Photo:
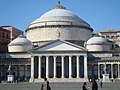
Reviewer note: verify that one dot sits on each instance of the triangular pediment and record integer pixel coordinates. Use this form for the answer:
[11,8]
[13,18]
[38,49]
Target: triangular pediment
[60,46]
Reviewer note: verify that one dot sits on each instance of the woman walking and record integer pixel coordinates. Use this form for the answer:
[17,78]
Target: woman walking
[94,85]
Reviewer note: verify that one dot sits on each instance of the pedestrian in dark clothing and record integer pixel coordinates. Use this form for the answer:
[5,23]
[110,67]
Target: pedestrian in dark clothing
[94,85]
[84,86]
[101,84]
[45,85]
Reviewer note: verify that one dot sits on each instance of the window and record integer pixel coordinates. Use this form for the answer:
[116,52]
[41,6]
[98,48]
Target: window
[7,35]
[3,41]
[3,35]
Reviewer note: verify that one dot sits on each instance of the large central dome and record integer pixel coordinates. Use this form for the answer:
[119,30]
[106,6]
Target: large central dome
[60,14]
[59,23]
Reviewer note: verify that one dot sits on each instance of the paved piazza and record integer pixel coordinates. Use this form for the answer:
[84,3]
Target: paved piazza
[58,86]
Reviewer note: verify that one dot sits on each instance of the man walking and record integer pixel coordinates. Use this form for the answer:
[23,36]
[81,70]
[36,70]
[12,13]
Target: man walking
[45,85]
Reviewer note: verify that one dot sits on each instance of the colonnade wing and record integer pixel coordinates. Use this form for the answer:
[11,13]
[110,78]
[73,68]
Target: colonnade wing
[60,46]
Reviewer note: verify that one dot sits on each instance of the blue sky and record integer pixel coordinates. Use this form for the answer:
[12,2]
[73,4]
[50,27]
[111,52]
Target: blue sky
[100,14]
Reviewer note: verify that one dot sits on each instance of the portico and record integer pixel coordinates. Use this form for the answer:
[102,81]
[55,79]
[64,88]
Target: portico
[59,63]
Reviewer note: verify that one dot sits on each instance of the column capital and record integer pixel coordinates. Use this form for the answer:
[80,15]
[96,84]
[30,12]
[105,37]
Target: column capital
[47,56]
[63,56]
[54,56]
[39,56]
[70,55]
[32,56]
[85,55]
[77,55]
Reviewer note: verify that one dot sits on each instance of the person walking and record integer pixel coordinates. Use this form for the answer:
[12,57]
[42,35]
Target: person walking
[101,84]
[45,85]
[94,85]
[84,86]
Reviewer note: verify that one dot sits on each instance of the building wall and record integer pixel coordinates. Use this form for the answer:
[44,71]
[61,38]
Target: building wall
[112,35]
[101,54]
[4,39]
[14,31]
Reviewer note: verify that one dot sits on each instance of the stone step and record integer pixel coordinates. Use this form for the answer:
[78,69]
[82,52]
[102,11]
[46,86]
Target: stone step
[62,80]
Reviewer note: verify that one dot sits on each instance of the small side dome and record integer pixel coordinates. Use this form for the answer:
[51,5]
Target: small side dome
[97,44]
[97,40]
[20,44]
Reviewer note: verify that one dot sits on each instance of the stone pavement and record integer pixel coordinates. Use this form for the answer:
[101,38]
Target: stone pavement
[57,86]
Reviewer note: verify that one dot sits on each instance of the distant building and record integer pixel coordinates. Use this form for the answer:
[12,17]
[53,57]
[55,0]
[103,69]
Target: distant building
[4,39]
[112,35]
[14,31]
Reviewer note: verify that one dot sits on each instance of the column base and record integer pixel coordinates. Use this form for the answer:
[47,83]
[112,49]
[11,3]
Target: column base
[39,77]
[70,76]
[106,78]
[78,77]
[31,80]
[86,79]
[55,77]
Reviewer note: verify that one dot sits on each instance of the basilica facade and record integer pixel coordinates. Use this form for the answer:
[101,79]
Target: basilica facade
[59,46]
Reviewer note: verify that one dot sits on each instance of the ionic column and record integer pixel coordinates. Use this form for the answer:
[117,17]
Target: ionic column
[111,71]
[62,66]
[78,67]
[70,67]
[54,66]
[32,69]
[47,67]
[98,71]
[39,67]
[118,71]
[85,67]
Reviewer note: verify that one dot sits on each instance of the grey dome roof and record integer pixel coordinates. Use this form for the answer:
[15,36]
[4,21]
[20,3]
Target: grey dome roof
[59,13]
[97,40]
[20,40]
